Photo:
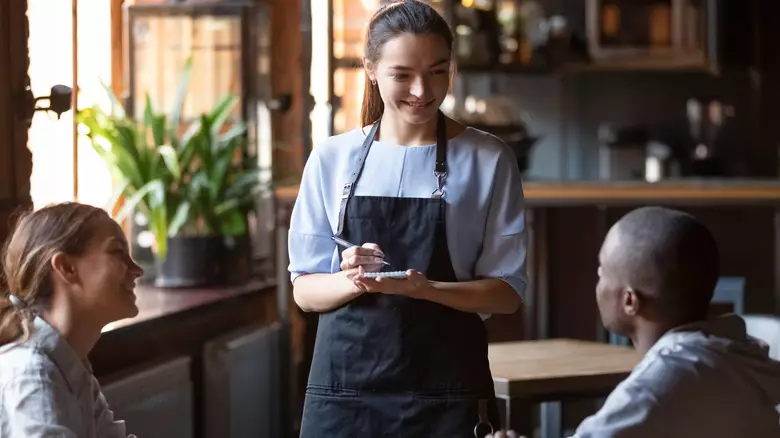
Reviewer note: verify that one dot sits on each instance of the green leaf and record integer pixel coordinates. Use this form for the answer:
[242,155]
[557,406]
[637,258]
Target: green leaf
[171,158]
[221,112]
[156,193]
[235,133]
[117,109]
[179,218]
[120,189]
[181,94]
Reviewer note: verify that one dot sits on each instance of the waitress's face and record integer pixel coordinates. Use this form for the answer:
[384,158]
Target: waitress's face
[413,75]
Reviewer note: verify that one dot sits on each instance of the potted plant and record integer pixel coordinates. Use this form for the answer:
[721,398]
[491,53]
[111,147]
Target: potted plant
[194,188]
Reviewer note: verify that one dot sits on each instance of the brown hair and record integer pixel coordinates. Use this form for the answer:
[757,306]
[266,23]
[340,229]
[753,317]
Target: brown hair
[398,17]
[37,237]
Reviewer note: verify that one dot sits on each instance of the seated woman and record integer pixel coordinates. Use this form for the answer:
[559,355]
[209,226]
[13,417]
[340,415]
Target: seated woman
[69,273]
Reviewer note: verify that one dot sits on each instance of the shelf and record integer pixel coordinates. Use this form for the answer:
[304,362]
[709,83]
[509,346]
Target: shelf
[573,68]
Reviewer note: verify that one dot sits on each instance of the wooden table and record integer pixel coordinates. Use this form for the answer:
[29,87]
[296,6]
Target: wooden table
[548,371]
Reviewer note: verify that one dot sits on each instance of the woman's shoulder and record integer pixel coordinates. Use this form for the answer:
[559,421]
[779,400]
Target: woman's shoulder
[24,359]
[475,140]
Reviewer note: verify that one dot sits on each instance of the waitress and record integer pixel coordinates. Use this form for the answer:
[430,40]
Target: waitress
[443,202]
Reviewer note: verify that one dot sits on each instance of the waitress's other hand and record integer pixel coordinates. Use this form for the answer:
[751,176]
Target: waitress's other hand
[411,286]
[369,256]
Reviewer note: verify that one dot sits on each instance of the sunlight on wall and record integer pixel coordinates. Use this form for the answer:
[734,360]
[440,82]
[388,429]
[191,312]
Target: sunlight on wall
[320,115]
[51,140]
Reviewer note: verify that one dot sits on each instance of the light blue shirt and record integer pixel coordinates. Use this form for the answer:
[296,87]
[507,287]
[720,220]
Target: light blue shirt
[47,391]
[707,379]
[485,217]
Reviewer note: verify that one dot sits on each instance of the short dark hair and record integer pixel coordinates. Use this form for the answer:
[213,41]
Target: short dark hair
[676,253]
[391,20]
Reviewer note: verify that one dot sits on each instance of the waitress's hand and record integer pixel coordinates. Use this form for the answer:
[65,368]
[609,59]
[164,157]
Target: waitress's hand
[369,256]
[357,259]
[411,286]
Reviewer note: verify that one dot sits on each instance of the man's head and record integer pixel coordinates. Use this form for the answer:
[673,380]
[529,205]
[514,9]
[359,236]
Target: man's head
[657,265]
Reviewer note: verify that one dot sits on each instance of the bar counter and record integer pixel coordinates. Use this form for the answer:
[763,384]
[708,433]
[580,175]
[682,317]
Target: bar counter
[672,191]
[567,221]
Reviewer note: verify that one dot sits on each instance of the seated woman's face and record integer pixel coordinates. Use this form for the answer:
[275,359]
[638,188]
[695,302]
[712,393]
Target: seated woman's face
[106,274]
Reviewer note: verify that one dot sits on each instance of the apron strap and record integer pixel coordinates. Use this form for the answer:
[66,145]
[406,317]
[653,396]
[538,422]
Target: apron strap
[357,169]
[440,171]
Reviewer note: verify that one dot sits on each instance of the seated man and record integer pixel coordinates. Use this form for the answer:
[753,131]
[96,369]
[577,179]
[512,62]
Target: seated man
[699,377]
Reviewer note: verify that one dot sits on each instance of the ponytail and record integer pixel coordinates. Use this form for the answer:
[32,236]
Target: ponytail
[15,322]
[372,107]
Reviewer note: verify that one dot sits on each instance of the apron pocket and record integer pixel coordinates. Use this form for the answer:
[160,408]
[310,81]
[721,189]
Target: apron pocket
[330,391]
[450,415]
[332,413]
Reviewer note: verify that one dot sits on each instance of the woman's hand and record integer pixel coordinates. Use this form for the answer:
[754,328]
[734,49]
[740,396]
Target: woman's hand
[411,286]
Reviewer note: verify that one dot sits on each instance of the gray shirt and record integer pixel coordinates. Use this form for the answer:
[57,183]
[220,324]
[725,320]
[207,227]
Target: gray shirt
[47,391]
[703,380]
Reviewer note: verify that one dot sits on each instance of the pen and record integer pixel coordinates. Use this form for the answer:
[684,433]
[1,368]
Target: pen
[346,244]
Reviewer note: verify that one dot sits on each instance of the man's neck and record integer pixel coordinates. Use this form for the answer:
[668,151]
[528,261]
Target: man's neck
[647,334]
[394,130]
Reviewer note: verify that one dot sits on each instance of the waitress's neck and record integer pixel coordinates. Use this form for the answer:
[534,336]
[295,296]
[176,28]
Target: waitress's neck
[394,129]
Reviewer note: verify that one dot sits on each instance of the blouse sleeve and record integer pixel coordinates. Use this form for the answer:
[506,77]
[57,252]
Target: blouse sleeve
[309,241]
[503,253]
[106,426]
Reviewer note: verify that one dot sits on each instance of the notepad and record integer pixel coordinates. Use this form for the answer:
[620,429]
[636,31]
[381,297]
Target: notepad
[391,274]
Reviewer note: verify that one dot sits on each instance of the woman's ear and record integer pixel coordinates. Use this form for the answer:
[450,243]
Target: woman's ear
[368,66]
[62,266]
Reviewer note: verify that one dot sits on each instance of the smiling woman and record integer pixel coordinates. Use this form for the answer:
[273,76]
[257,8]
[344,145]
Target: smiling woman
[436,199]
[69,273]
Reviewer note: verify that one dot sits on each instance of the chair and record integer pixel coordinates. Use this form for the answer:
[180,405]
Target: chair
[767,329]
[731,291]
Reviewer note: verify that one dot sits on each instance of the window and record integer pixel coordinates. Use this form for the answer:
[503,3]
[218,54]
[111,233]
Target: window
[65,168]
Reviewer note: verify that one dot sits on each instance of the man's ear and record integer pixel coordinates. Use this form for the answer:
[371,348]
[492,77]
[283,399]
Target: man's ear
[631,301]
[62,266]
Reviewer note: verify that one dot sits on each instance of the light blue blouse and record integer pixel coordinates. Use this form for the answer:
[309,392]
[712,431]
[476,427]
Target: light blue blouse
[485,218]
[47,391]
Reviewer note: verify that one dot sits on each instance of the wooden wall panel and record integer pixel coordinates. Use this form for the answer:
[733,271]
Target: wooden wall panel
[15,158]
[745,237]
[287,77]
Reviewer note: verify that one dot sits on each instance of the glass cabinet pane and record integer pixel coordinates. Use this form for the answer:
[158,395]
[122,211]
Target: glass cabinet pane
[350,18]
[161,45]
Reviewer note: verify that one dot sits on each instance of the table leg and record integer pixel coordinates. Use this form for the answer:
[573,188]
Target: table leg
[552,420]
[518,415]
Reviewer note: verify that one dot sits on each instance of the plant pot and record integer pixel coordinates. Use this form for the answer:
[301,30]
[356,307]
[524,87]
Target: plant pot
[235,262]
[191,262]
[203,261]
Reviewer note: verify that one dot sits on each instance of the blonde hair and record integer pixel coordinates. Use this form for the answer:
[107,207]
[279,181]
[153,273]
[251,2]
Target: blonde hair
[27,254]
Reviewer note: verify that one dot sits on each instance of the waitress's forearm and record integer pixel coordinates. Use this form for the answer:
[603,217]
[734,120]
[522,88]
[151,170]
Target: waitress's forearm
[488,295]
[323,292]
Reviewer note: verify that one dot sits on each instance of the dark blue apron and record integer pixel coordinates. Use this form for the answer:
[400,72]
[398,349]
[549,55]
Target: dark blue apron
[393,366]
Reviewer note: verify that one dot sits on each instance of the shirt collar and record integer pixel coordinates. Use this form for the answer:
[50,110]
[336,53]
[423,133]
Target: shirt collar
[48,340]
